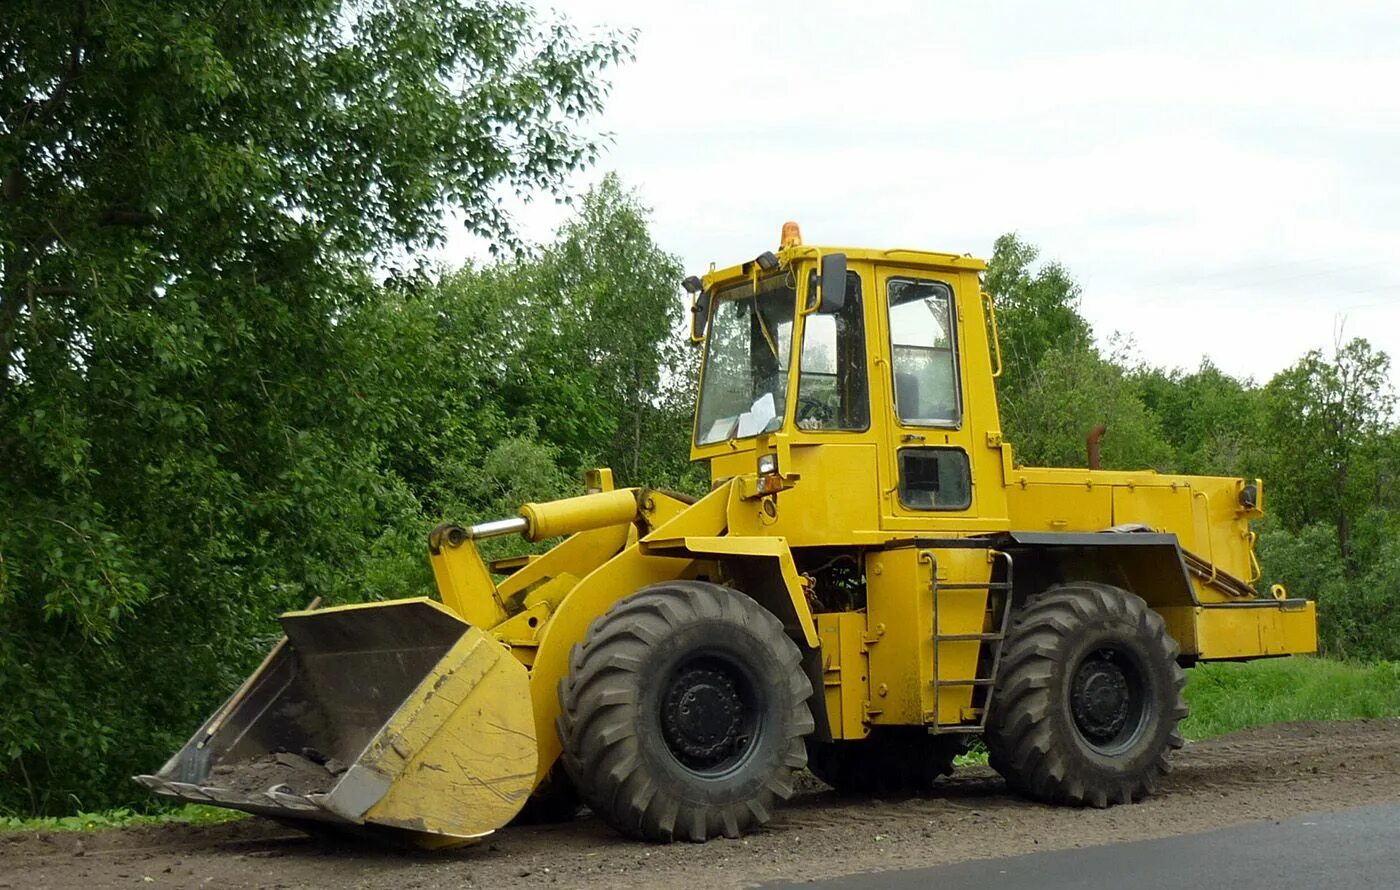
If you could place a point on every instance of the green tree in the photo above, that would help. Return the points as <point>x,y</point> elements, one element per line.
<point>190,197</point>
<point>1037,310</point>
<point>1055,386</point>
<point>623,309</point>
<point>1070,392</point>
<point>591,330</point>
<point>1210,419</point>
<point>1328,423</point>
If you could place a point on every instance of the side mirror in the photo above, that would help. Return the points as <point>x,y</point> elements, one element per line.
<point>700,316</point>
<point>833,283</point>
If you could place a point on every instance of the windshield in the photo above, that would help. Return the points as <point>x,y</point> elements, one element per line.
<point>744,388</point>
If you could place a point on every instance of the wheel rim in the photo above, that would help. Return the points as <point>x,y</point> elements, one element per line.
<point>710,715</point>
<point>1108,700</point>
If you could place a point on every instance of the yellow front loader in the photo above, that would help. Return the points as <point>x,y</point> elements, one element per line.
<point>871,582</point>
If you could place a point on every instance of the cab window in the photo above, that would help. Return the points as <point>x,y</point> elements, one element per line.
<point>832,391</point>
<point>923,354</point>
<point>935,479</point>
<point>743,386</point>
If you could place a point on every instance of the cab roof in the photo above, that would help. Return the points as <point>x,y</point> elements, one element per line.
<point>901,256</point>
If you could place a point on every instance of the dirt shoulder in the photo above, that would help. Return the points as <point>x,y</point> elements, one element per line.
<point>1260,774</point>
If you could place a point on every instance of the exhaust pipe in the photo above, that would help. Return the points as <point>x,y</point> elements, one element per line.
<point>1092,441</point>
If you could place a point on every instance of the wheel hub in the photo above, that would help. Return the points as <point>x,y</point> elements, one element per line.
<point>701,719</point>
<point>1100,698</point>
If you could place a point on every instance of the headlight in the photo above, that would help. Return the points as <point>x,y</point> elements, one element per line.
<point>767,464</point>
<point>1249,495</point>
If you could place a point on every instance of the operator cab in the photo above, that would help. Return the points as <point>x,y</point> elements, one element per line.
<point>847,363</point>
<point>748,328</point>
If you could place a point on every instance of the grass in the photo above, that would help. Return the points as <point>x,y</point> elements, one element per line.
<point>1225,696</point>
<point>189,814</point>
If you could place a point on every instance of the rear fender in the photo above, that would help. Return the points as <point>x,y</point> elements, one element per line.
<point>1150,565</point>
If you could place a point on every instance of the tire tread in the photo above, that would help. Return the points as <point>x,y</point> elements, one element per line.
<point>597,727</point>
<point>1019,737</point>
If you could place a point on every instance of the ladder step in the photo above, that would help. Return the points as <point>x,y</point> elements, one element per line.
<point>953,638</point>
<point>978,682</point>
<point>977,585</point>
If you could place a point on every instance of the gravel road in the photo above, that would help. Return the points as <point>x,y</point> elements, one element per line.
<point>1264,774</point>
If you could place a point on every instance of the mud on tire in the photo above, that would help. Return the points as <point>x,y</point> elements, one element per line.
<point>684,712</point>
<point>1087,699</point>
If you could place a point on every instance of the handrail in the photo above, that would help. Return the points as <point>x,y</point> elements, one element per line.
<point>996,335</point>
<point>928,557</point>
<point>1210,539</point>
<point>1256,571</point>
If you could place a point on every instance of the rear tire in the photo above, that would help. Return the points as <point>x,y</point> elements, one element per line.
<point>684,713</point>
<point>891,760</point>
<point>1087,698</point>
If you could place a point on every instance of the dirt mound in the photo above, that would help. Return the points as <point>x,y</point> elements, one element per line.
<point>1268,773</point>
<point>305,773</point>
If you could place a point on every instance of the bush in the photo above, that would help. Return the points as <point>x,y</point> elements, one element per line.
<point>1357,619</point>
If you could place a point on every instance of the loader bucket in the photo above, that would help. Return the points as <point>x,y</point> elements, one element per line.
<point>397,716</point>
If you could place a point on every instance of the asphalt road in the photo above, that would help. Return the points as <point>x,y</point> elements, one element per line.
<point>1353,849</point>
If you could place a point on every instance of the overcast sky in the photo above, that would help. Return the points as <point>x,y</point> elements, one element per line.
<point>1222,179</point>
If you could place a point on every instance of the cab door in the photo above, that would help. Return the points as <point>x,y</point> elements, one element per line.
<point>927,479</point>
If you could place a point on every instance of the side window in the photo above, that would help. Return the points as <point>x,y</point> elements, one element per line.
<point>923,352</point>
<point>935,479</point>
<point>832,391</point>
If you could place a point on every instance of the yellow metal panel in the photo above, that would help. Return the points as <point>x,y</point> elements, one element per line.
<point>553,591</point>
<point>845,673</point>
<point>1162,507</point>
<point>1252,631</point>
<point>708,516</point>
<point>1069,501</point>
<point>899,605</point>
<point>577,555</point>
<point>1221,532</point>
<point>460,753</point>
<point>659,507</point>
<point>464,583</point>
<point>620,577</point>
<point>519,631</point>
<point>836,495</point>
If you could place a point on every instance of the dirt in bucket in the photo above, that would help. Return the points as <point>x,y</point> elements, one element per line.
<point>309,772</point>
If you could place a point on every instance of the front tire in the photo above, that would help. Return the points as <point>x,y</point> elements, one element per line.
<point>1087,699</point>
<point>684,713</point>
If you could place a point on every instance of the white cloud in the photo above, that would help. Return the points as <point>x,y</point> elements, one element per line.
<point>1220,178</point>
